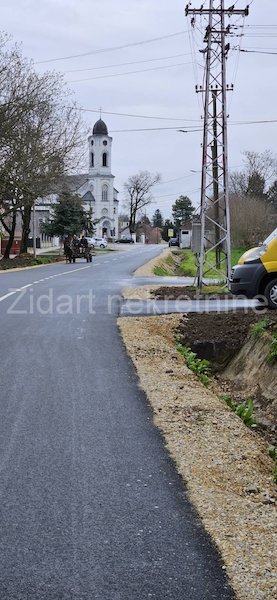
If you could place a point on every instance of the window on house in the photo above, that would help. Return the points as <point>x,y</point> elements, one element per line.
<point>92,159</point>
<point>104,159</point>
<point>105,193</point>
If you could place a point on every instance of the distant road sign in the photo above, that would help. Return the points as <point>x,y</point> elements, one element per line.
<point>170,232</point>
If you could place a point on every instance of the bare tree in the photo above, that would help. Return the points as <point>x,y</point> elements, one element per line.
<point>259,171</point>
<point>251,208</point>
<point>251,220</point>
<point>41,136</point>
<point>138,194</point>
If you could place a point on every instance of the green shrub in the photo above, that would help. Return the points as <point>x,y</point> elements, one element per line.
<point>200,367</point>
<point>245,410</point>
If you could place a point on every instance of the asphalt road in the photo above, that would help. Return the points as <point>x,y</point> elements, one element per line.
<point>91,505</point>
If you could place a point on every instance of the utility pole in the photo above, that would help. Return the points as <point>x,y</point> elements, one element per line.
<point>215,246</point>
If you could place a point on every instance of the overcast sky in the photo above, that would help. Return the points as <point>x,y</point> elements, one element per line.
<point>51,29</point>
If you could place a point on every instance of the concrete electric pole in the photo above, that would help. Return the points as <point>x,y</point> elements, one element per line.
<point>215,246</point>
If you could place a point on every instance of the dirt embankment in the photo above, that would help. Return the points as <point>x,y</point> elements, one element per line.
<point>224,465</point>
<point>239,360</point>
<point>28,260</point>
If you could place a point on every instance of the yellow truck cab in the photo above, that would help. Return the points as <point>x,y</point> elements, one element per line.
<point>256,272</point>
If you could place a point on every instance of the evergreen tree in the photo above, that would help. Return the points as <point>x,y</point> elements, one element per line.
<point>157,219</point>
<point>182,210</point>
<point>69,216</point>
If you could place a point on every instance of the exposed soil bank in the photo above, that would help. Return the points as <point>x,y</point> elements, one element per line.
<point>239,361</point>
<point>187,292</point>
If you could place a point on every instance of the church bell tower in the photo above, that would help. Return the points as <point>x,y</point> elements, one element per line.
<point>100,150</point>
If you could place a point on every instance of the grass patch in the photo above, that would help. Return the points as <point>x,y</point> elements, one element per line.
<point>236,253</point>
<point>161,272</point>
<point>188,266</point>
<point>257,329</point>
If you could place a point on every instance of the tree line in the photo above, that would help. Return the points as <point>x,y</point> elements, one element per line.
<point>253,201</point>
<point>41,138</point>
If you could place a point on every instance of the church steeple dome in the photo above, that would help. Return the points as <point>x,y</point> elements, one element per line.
<point>100,128</point>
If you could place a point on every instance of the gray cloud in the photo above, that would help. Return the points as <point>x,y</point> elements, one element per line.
<point>54,28</point>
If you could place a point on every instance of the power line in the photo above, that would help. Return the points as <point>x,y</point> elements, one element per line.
<point>188,130</point>
<point>174,194</point>
<point>259,122</point>
<point>155,129</point>
<point>130,72</point>
<point>257,52</point>
<point>118,114</point>
<point>137,62</point>
<point>96,110</point>
<point>112,48</point>
<point>176,179</point>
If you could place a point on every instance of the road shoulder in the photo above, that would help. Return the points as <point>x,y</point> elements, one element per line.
<point>219,459</point>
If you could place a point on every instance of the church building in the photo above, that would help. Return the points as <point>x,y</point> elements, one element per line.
<point>97,191</point>
<point>96,188</point>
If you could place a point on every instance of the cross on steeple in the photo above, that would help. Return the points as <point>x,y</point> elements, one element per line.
<point>100,111</point>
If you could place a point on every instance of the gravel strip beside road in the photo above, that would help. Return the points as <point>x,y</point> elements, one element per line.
<point>224,465</point>
<point>147,269</point>
<point>139,293</point>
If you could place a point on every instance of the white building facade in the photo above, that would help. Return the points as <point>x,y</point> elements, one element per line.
<point>97,191</point>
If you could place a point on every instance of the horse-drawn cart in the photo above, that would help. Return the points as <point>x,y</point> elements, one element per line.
<point>73,251</point>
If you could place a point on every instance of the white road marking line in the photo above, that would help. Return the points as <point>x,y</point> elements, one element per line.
<point>7,295</point>
<point>24,287</point>
<point>40,281</point>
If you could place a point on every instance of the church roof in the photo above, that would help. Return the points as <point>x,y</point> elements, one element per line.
<point>100,128</point>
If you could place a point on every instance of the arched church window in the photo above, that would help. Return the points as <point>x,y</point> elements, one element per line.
<point>105,193</point>
<point>104,159</point>
<point>92,159</point>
